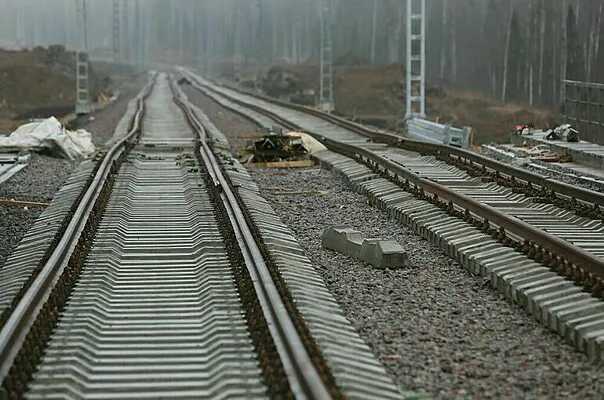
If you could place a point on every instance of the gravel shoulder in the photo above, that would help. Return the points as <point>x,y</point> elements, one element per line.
<point>38,182</point>
<point>435,327</point>
<point>44,176</point>
<point>239,131</point>
<point>104,122</point>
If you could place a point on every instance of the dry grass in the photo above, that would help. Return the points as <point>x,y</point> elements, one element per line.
<point>491,120</point>
<point>369,91</point>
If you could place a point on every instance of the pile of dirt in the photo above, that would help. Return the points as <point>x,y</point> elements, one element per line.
<point>280,81</point>
<point>370,93</point>
<point>298,84</point>
<point>366,93</point>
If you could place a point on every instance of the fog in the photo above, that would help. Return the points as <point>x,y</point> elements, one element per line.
<point>509,48</point>
<point>185,29</point>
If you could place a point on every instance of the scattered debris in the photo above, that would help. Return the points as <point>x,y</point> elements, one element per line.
<point>543,153</point>
<point>22,203</point>
<point>311,144</point>
<point>285,164</point>
<point>563,132</point>
<point>11,163</point>
<point>377,252</point>
<point>523,154</point>
<point>275,147</point>
<point>524,129</point>
<point>279,150</point>
<point>50,136</point>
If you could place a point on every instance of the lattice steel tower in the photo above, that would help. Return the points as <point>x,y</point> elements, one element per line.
<point>116,31</point>
<point>82,83</point>
<point>326,97</point>
<point>416,58</point>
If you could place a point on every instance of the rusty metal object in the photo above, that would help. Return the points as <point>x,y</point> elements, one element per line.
<point>22,203</point>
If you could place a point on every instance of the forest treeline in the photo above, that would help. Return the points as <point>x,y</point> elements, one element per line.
<point>511,49</point>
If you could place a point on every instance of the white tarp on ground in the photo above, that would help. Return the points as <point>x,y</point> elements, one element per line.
<point>49,135</point>
<point>311,144</point>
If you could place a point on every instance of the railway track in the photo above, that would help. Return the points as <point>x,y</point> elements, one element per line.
<point>539,241</point>
<point>164,284</point>
<point>9,166</point>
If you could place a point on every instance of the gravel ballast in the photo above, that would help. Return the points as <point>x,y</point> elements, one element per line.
<point>103,123</point>
<point>433,325</point>
<point>38,182</point>
<point>238,130</point>
<point>436,328</point>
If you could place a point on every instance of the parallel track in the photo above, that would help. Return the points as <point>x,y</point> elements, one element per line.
<point>8,168</point>
<point>528,249</point>
<point>574,240</point>
<point>139,299</point>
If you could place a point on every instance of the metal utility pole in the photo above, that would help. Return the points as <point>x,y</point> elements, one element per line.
<point>139,43</point>
<point>326,97</point>
<point>416,59</point>
<point>116,31</point>
<point>125,31</point>
<point>82,83</point>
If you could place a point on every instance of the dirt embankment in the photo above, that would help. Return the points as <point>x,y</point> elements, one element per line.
<point>492,120</point>
<point>40,83</point>
<point>375,94</point>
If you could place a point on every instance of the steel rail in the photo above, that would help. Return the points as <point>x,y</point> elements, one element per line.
<point>8,173</point>
<point>586,195</point>
<point>581,258</point>
<point>573,254</point>
<point>14,332</point>
<point>304,379</point>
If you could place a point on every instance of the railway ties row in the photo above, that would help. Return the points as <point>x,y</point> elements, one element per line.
<point>583,232</point>
<point>552,299</point>
<point>167,294</point>
<point>520,262</point>
<point>155,312</point>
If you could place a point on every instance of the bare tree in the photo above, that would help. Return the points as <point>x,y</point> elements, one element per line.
<point>506,58</point>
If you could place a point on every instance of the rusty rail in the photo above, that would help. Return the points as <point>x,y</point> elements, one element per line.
<point>377,135</point>
<point>592,266</point>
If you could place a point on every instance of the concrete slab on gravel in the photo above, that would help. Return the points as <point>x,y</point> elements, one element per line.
<point>435,326</point>
<point>377,252</point>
